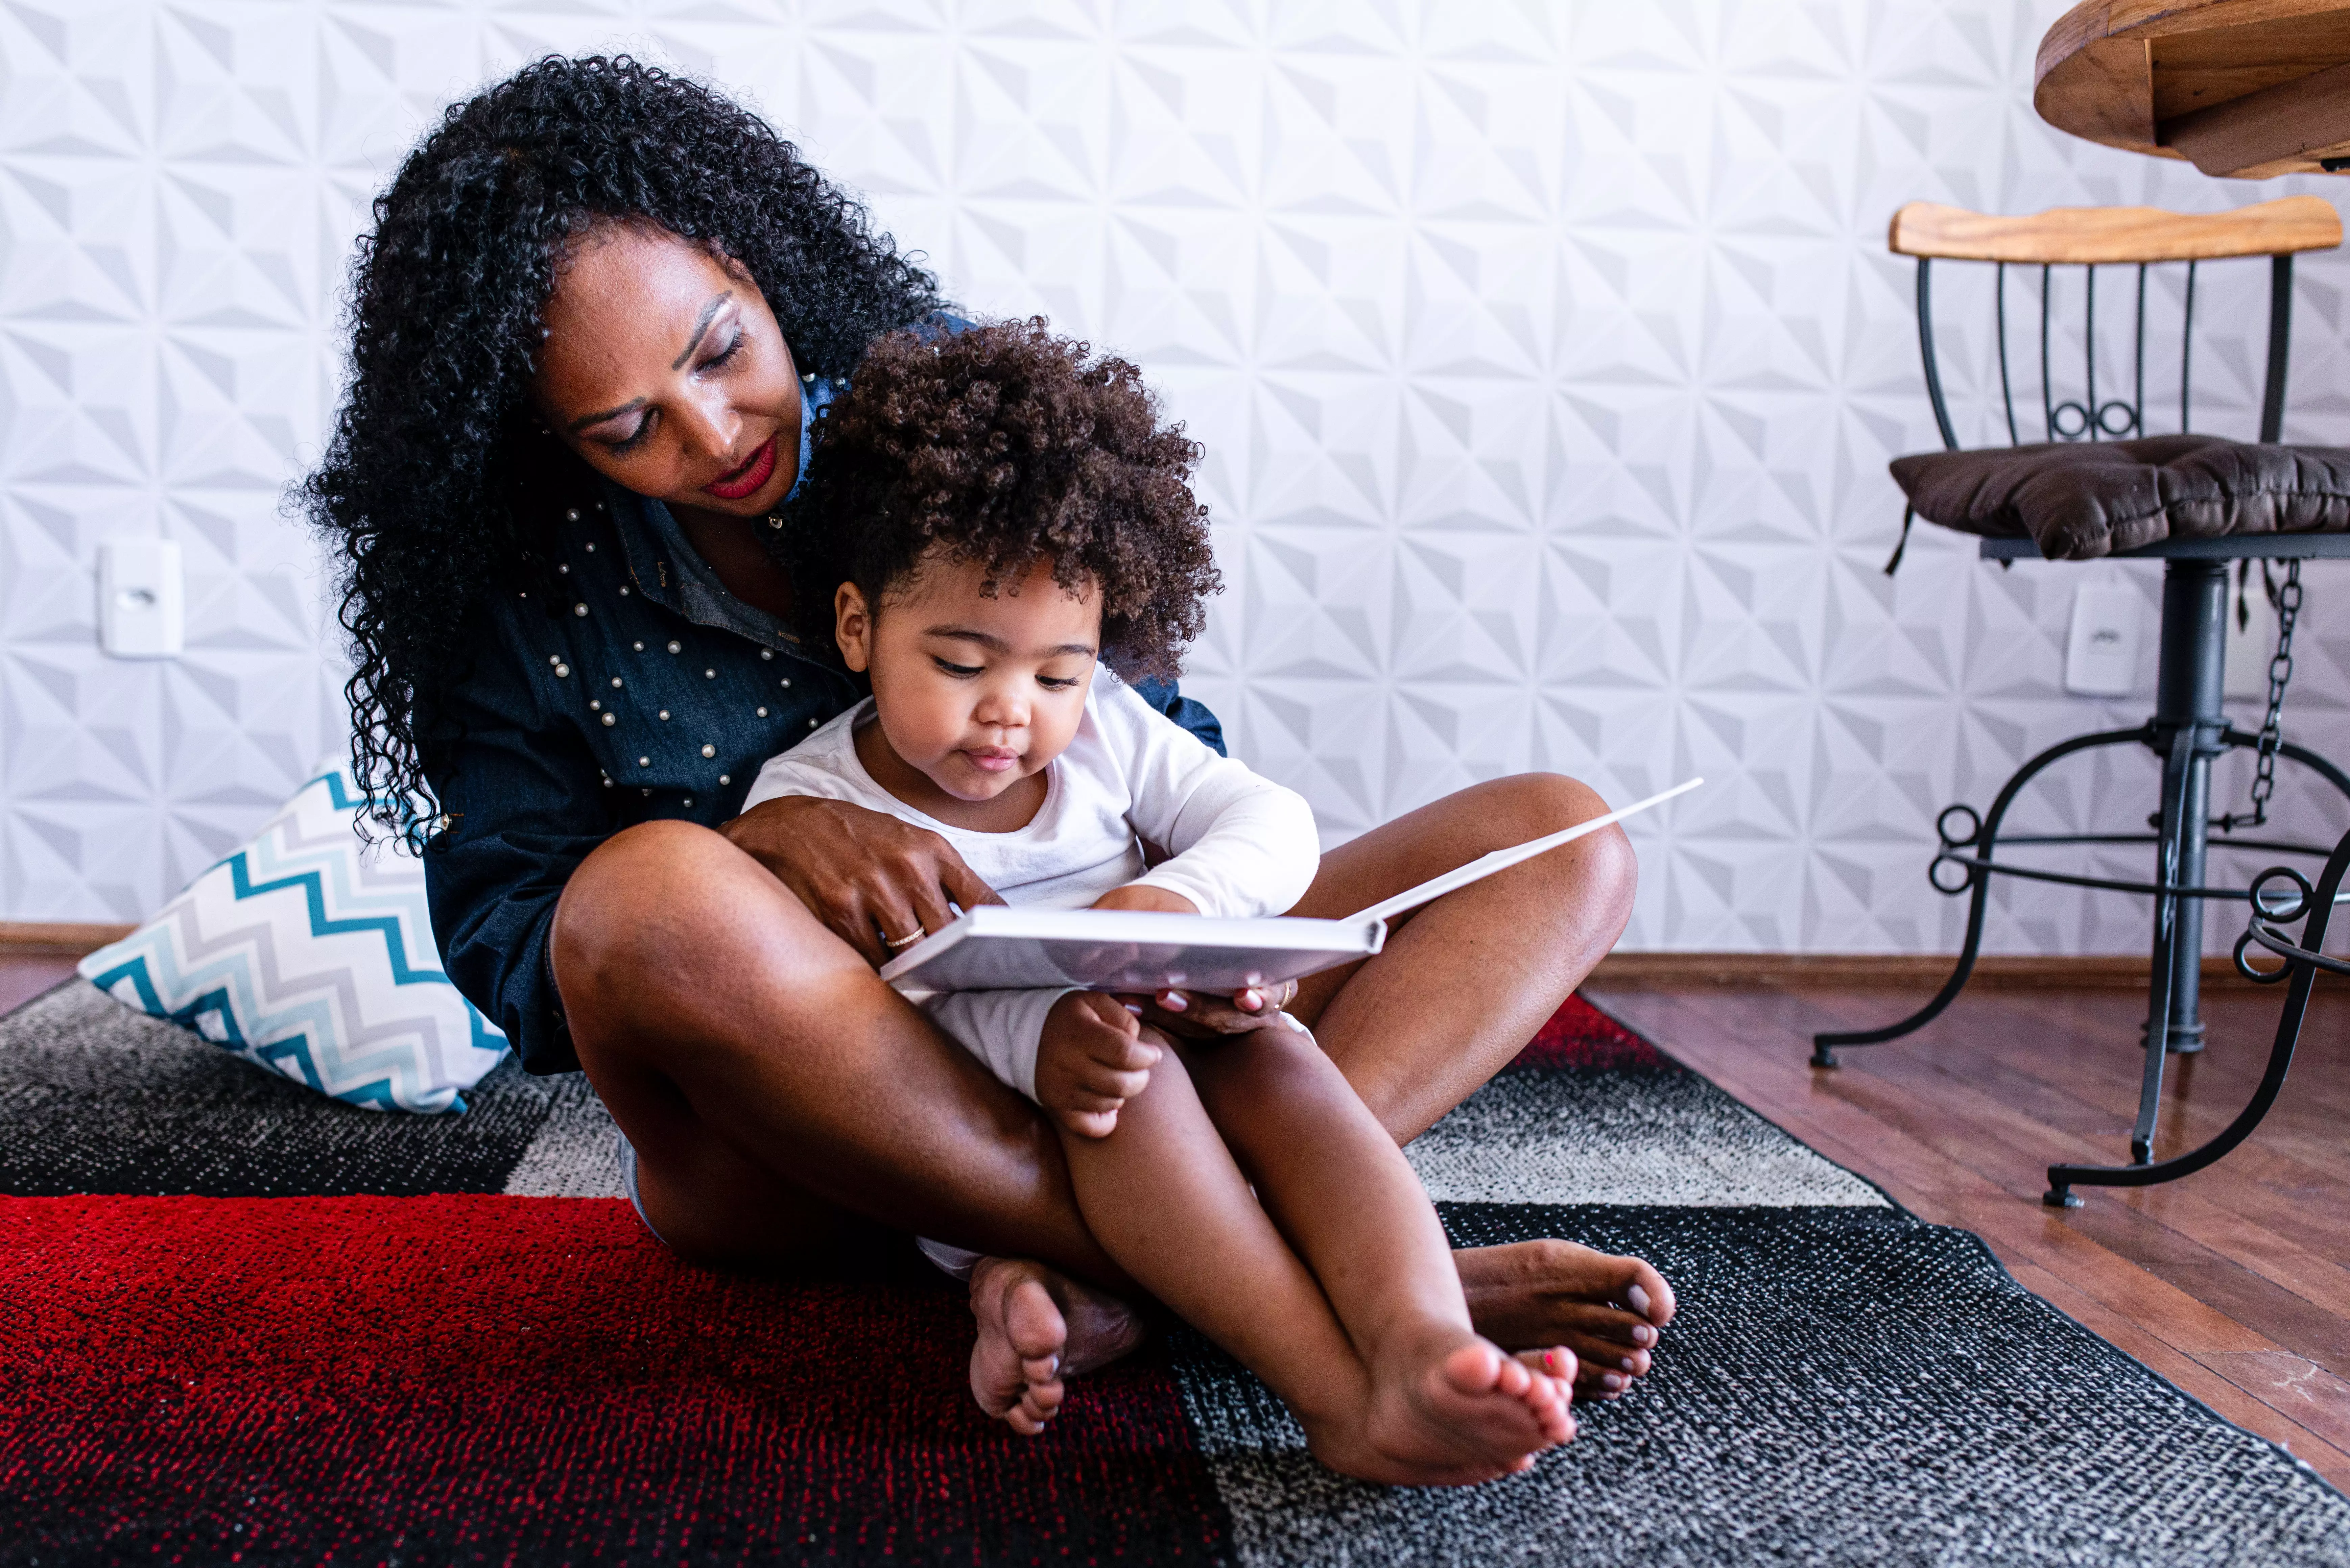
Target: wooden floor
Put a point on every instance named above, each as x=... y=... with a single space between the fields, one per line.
x=2234 y=1283
x=23 y=978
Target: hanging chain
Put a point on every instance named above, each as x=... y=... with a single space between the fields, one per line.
x=2287 y=599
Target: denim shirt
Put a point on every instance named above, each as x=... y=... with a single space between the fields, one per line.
x=646 y=691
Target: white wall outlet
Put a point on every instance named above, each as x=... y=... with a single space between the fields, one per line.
x=2250 y=649
x=142 y=599
x=2101 y=654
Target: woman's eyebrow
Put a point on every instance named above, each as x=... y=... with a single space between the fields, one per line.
x=701 y=327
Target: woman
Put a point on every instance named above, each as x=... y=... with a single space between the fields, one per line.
x=598 y=314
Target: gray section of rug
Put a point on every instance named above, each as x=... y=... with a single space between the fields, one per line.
x=95 y=1097
x=1556 y=1136
x=1843 y=1385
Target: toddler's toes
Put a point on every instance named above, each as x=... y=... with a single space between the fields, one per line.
x=1090 y=1123
x=1555 y=1362
x=1477 y=1367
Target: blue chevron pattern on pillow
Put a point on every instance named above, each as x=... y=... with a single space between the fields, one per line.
x=310 y=953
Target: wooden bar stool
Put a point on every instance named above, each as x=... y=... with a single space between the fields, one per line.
x=2097 y=485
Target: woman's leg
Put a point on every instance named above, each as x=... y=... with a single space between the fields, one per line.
x=782 y=1100
x=1392 y=1386
x=1460 y=986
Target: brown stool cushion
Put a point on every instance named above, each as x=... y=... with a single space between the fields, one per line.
x=2080 y=500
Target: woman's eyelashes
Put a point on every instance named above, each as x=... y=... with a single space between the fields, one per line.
x=636 y=438
x=725 y=354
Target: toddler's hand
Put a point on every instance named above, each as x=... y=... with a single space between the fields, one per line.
x=1093 y=1059
x=1143 y=896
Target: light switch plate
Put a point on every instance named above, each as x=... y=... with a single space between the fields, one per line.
x=2101 y=654
x=142 y=599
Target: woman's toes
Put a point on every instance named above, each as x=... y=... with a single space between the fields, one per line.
x=1018 y=1349
x=1032 y=1322
x=1649 y=1295
x=1041 y=1401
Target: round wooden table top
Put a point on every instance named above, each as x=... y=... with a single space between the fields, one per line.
x=2247 y=88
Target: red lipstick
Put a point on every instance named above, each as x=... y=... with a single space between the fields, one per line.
x=747 y=479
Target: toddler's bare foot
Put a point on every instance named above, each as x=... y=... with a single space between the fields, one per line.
x=1035 y=1328
x=1452 y=1409
x=1093 y=1057
x=1610 y=1311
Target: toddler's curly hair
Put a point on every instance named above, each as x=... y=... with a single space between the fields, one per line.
x=1005 y=445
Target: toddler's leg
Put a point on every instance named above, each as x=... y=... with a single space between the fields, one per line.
x=1341 y=1193
x=1166 y=1201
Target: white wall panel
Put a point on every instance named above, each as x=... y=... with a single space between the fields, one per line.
x=1547 y=356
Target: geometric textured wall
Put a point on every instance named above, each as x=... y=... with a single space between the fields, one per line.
x=1547 y=356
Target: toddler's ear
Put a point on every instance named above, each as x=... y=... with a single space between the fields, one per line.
x=852 y=626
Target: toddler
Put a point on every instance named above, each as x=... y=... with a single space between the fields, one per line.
x=1013 y=536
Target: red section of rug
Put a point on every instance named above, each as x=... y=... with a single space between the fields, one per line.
x=1580 y=1035
x=525 y=1381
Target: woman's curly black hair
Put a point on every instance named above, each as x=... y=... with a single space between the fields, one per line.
x=1009 y=447
x=430 y=491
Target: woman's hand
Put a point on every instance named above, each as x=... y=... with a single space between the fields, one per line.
x=1197 y=1015
x=874 y=879
x=1205 y=1015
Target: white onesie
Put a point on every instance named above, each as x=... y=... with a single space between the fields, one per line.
x=1241 y=845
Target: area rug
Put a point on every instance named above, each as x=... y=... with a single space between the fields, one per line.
x=241 y=1325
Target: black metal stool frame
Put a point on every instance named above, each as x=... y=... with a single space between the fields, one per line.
x=2303 y=963
x=2188 y=730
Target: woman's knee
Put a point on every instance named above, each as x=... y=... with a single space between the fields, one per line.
x=1537 y=805
x=628 y=888
x=674 y=901
x=668 y=894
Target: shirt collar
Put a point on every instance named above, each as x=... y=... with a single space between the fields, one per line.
x=664 y=566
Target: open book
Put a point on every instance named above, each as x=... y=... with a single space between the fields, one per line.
x=997 y=947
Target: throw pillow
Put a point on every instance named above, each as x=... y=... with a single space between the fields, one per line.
x=310 y=953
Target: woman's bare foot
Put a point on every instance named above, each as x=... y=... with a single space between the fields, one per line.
x=1451 y=1409
x=1037 y=1327
x=1609 y=1311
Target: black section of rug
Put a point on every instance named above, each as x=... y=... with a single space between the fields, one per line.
x=97 y=1098
x=1842 y=1386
